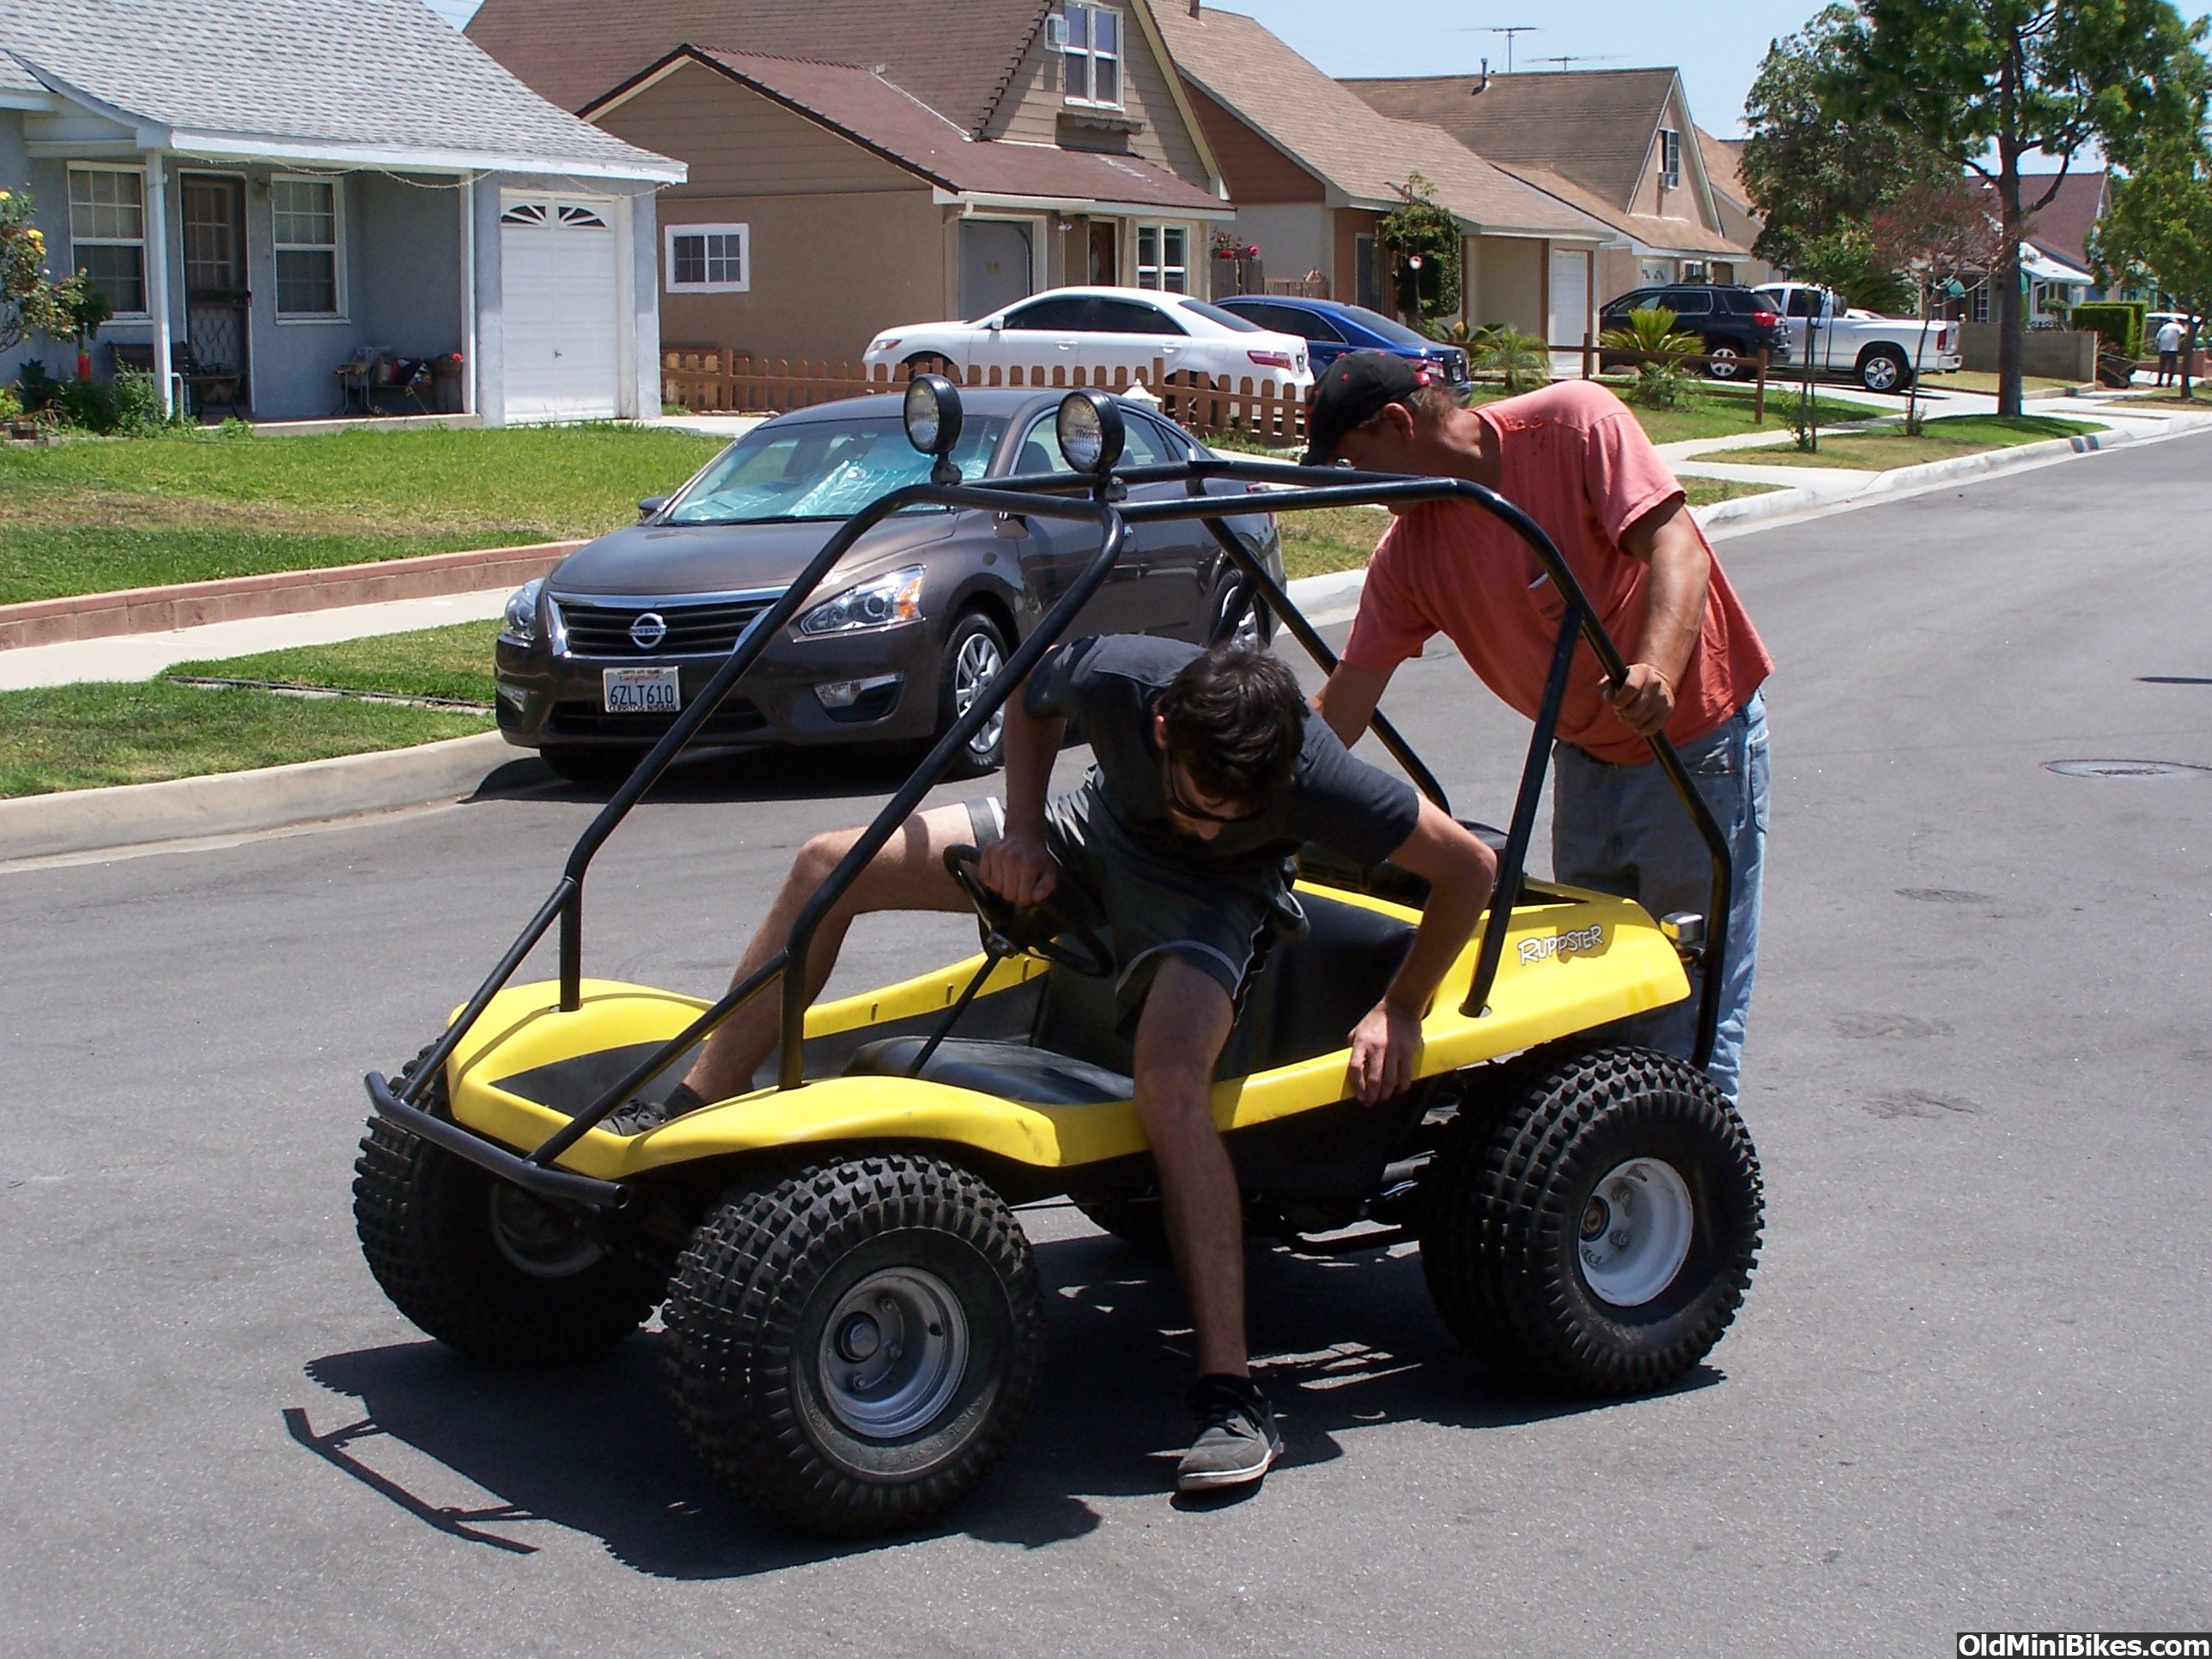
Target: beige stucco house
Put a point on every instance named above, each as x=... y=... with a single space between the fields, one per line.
x=1312 y=168
x=1619 y=145
x=852 y=168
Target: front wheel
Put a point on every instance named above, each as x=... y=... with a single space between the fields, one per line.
x=1883 y=370
x=975 y=652
x=1240 y=617
x=1591 y=1223
x=1723 y=362
x=852 y=1347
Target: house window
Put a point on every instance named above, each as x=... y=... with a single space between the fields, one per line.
x=304 y=215
x=1693 y=270
x=1089 y=40
x=1163 y=257
x=107 y=234
x=709 y=258
x=1670 y=159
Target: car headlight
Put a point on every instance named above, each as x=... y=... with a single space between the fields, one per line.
x=521 y=622
x=886 y=601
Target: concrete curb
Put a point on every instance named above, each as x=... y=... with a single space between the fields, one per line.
x=239 y=803
x=277 y=592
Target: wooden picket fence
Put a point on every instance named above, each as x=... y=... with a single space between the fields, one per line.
x=712 y=379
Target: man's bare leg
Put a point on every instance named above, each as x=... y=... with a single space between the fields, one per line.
x=907 y=874
x=1179 y=1036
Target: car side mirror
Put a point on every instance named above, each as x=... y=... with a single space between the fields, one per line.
x=651 y=505
x=998 y=324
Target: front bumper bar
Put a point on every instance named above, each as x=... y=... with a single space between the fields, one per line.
x=560 y=1185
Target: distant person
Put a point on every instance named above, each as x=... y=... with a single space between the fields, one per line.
x=1575 y=459
x=2170 y=335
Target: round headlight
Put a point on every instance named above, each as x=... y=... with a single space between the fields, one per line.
x=1089 y=431
x=932 y=414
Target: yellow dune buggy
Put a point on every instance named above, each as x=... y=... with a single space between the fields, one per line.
x=853 y=1323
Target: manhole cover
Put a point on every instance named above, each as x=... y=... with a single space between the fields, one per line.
x=2126 y=769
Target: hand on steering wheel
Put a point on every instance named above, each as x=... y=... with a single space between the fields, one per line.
x=1044 y=929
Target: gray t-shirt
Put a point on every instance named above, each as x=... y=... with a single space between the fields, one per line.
x=1108 y=685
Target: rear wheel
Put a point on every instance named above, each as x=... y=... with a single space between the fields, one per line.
x=1591 y=1224
x=852 y=1347
x=1724 y=361
x=1884 y=369
x=975 y=652
x=483 y=1265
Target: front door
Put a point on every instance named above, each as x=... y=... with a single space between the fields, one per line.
x=217 y=302
x=1105 y=255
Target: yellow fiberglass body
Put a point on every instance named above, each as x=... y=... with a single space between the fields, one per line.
x=1573 y=960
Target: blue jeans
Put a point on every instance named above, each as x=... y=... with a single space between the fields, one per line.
x=1622 y=830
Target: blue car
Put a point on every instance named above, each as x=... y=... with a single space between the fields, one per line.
x=1334 y=328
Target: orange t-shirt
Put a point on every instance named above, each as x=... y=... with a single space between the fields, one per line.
x=1575 y=459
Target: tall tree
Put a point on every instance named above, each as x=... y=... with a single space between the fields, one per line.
x=1986 y=83
x=1818 y=178
x=1937 y=232
x=2158 y=229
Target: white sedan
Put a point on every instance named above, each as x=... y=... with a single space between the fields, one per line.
x=1103 y=328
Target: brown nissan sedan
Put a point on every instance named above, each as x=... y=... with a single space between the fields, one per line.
x=595 y=659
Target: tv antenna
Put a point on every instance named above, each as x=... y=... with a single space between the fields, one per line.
x=1565 y=58
x=1509 y=31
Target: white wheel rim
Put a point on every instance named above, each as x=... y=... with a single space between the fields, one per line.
x=1636 y=1232
x=1723 y=362
x=979 y=660
x=893 y=1351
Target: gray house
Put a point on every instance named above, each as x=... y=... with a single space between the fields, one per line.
x=267 y=189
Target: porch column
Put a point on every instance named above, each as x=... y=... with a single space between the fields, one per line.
x=156 y=229
x=468 y=194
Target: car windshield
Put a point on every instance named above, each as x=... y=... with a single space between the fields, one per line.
x=1226 y=318
x=821 y=469
x=1375 y=322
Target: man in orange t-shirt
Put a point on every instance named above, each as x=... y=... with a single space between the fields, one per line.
x=1573 y=458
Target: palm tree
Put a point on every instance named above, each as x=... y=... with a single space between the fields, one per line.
x=1661 y=355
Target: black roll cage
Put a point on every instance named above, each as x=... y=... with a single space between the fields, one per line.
x=1073 y=496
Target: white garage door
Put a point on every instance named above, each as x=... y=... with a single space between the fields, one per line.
x=558 y=304
x=1571 y=317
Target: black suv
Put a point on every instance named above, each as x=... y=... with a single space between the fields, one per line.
x=1733 y=321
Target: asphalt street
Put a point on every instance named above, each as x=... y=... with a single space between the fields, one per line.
x=1969 y=1389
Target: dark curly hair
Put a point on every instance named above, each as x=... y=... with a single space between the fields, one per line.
x=1235 y=720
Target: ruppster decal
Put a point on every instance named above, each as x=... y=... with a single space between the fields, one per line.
x=1583 y=942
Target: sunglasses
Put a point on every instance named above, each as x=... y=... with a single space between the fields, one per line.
x=1171 y=785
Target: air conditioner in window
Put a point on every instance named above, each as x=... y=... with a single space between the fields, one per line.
x=1055 y=31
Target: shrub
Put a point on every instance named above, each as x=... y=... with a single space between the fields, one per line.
x=2120 y=322
x=1661 y=379
x=1523 y=360
x=11 y=405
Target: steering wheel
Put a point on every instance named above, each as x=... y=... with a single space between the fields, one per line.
x=1044 y=929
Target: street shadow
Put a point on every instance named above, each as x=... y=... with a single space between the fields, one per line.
x=1347 y=1343
x=718 y=775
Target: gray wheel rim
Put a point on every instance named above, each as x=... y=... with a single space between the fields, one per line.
x=979 y=660
x=1635 y=1231
x=893 y=1352
x=1880 y=373
x=1723 y=364
x=535 y=1240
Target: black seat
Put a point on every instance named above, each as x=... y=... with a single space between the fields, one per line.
x=1012 y=1071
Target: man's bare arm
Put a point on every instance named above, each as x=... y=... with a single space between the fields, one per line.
x=1667 y=539
x=1461 y=872
x=1347 y=702
x=1018 y=866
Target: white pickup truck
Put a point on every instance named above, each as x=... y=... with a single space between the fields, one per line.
x=1882 y=353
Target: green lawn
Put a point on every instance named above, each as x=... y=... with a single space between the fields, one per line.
x=86 y=515
x=1343 y=537
x=1940 y=440
x=83 y=737
x=437 y=662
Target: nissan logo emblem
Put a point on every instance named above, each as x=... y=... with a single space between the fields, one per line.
x=648 y=630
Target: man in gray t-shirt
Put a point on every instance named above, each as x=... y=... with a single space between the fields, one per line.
x=1210 y=771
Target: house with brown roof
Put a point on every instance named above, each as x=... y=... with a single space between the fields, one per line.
x=1312 y=168
x=1617 y=145
x=1739 y=221
x=855 y=166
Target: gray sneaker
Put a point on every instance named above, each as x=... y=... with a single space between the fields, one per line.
x=1237 y=1440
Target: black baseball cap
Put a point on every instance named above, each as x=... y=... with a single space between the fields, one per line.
x=1350 y=391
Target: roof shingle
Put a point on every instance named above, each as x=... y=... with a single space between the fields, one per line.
x=383 y=75
x=957 y=56
x=1342 y=141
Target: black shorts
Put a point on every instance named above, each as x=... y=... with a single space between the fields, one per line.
x=1219 y=918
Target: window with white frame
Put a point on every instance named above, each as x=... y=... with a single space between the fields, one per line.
x=310 y=275
x=1089 y=40
x=1670 y=158
x=1163 y=258
x=107 y=234
x=709 y=258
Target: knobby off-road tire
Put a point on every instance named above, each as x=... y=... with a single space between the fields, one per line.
x=1559 y=1145
x=1139 y=1222
x=482 y=1265
x=852 y=1347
